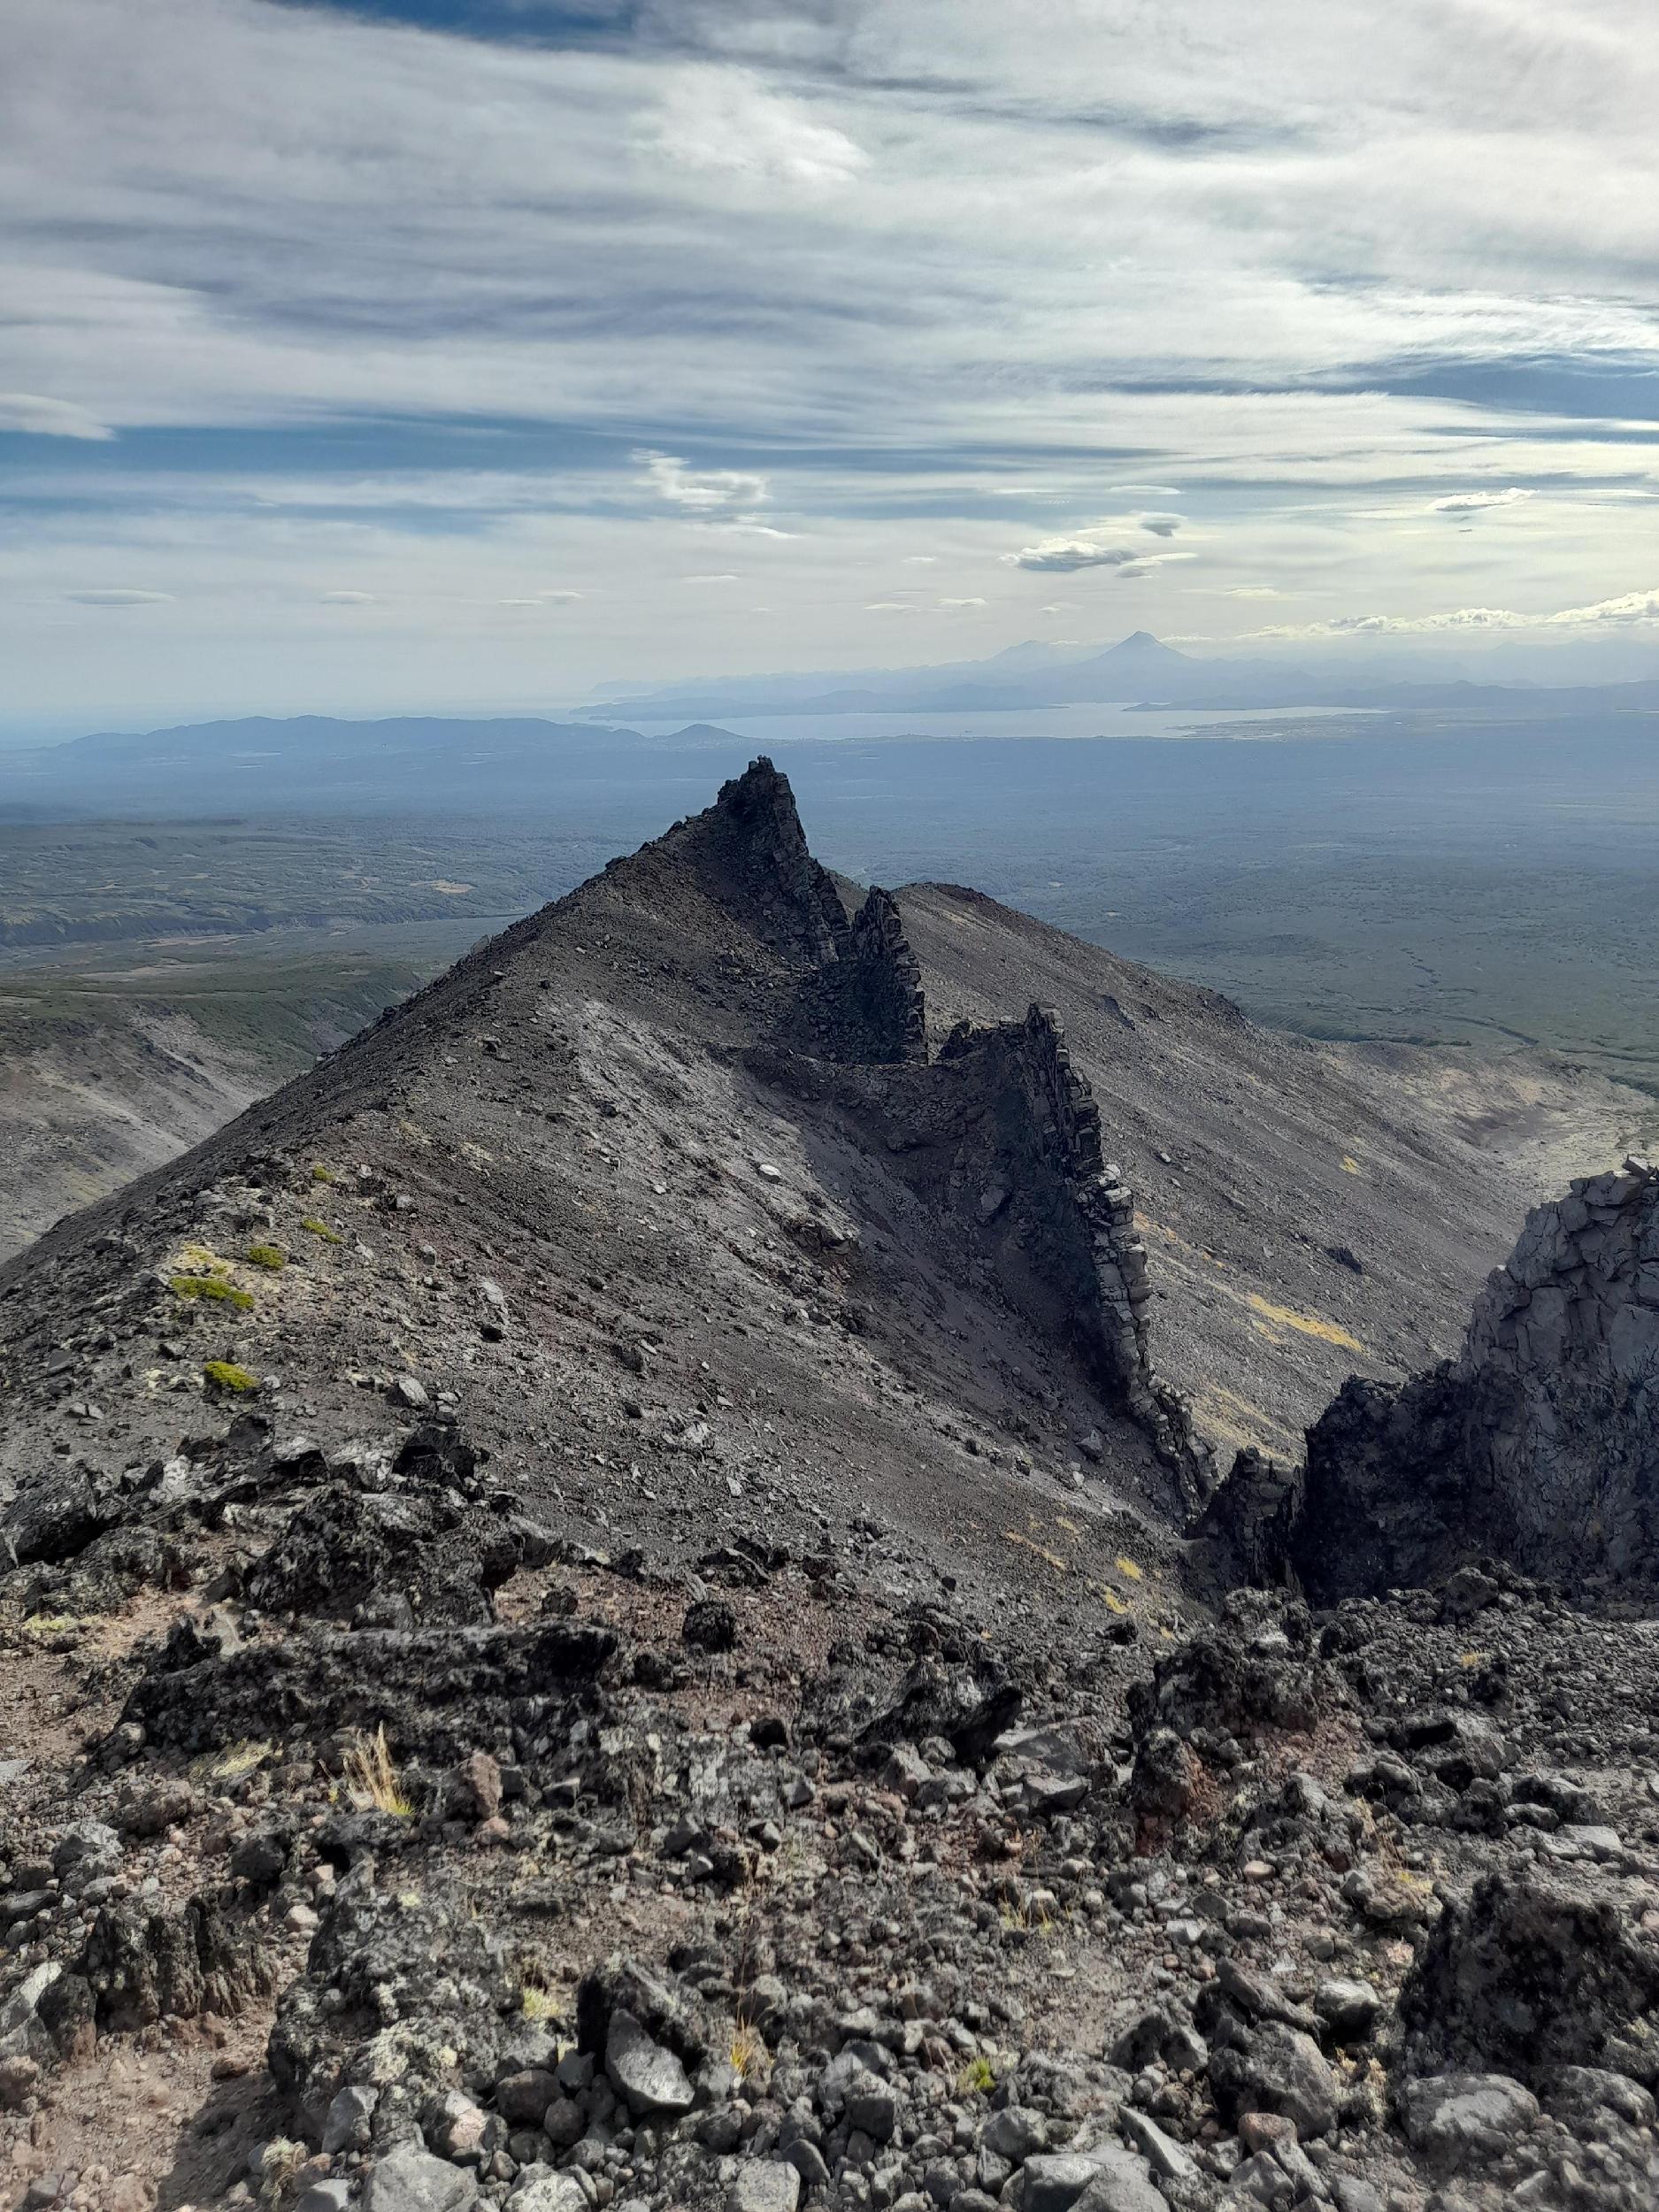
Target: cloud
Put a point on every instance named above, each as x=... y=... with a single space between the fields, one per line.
x=1476 y=502
x=1144 y=563
x=750 y=527
x=1300 y=260
x=1063 y=556
x=1092 y=548
x=1629 y=608
x=1633 y=606
x=889 y=606
x=49 y=417
x=119 y=598
x=961 y=602
x=725 y=123
x=702 y=490
x=724 y=576
x=347 y=599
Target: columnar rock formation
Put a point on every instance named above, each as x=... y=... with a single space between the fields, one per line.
x=1001 y=1134
x=1537 y=1444
x=1061 y=1219
x=883 y=983
x=865 y=1005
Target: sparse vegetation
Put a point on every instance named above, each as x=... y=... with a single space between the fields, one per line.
x=271 y=1255
x=321 y=1229
x=238 y=1758
x=212 y=1287
x=224 y=1374
x=372 y=1778
x=321 y=1174
x=976 y=2079
x=750 y=2060
x=44 y=1626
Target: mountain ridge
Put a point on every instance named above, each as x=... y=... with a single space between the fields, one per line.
x=622 y=1596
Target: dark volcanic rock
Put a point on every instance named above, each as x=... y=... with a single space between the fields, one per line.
x=145 y=1963
x=436 y=1692
x=1538 y=1444
x=386 y=1561
x=1538 y=1971
x=397 y=1980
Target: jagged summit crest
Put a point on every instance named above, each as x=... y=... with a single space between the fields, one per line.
x=752 y=851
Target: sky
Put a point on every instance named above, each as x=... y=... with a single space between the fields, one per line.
x=464 y=354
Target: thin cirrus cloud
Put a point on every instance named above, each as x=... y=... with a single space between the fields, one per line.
x=1479 y=502
x=44 y=417
x=1628 y=608
x=727 y=123
x=119 y=598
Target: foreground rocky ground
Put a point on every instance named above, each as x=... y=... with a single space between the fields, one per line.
x=624 y=1598
x=377 y=1846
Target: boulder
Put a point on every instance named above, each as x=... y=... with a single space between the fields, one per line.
x=765 y=2185
x=410 y=2179
x=649 y=2078
x=1276 y=2069
x=1454 y=2121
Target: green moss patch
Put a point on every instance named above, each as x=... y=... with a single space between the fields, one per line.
x=269 y=1255
x=210 y=1286
x=321 y=1229
x=321 y=1174
x=224 y=1374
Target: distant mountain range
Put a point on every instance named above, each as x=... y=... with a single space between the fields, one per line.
x=402 y=764
x=436 y=765
x=1142 y=668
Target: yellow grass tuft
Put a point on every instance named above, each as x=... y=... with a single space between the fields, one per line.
x=750 y=2060
x=1054 y=1559
x=1307 y=1324
x=371 y=1778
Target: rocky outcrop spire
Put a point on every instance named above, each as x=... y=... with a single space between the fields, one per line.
x=1537 y=1444
x=866 y=1006
x=752 y=842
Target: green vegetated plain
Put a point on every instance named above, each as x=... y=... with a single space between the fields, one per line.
x=115 y=882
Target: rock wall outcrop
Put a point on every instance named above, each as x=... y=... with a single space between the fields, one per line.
x=1538 y=1444
x=1002 y=1133
x=867 y=1005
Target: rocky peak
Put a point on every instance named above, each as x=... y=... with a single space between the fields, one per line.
x=751 y=850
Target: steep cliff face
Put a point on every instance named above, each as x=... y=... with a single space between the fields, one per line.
x=1000 y=1136
x=1537 y=1444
